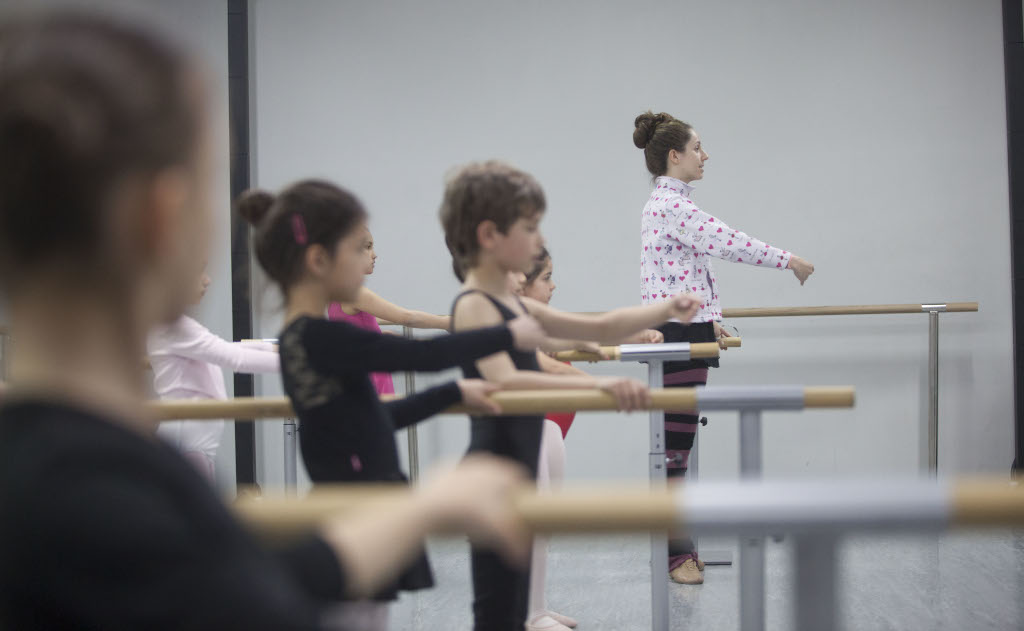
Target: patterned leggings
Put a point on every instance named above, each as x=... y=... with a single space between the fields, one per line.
x=681 y=426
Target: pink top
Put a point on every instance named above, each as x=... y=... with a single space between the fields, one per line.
x=381 y=380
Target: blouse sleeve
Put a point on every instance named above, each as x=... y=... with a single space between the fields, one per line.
x=705 y=234
x=195 y=341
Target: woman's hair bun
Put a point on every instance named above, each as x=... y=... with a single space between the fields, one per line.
x=254 y=205
x=645 y=125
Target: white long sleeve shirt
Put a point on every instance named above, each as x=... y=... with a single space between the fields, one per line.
x=187 y=362
x=679 y=240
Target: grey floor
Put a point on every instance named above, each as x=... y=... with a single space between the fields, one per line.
x=962 y=582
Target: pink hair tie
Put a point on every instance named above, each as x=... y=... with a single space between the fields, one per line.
x=299 y=229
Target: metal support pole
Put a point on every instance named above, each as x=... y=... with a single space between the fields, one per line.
x=659 y=539
x=816 y=570
x=933 y=392
x=413 y=438
x=709 y=557
x=751 y=548
x=291 y=477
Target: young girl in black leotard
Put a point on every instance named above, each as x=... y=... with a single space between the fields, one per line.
x=310 y=240
x=490 y=215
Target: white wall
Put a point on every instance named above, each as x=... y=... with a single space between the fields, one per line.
x=868 y=137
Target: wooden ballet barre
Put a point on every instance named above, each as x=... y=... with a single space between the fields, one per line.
x=743 y=508
x=682 y=351
x=517 y=402
x=772 y=312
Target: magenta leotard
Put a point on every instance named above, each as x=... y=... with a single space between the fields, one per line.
x=381 y=380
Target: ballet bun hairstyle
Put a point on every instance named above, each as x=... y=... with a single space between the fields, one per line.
x=307 y=213
x=538 y=267
x=657 y=134
x=86 y=105
x=484 y=191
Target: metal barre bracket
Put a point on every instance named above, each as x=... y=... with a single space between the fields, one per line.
x=675 y=351
x=933 y=308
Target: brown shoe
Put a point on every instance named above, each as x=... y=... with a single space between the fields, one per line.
x=687 y=573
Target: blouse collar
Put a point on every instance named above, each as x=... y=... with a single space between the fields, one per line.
x=664 y=181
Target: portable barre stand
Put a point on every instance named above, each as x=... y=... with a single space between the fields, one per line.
x=931 y=446
x=751 y=402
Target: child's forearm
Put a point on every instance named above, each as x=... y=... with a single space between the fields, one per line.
x=556 y=344
x=615 y=326
x=374 y=545
x=555 y=367
x=424 y=320
x=533 y=380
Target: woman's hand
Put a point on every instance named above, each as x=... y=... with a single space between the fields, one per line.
x=720 y=334
x=477 y=498
x=527 y=333
x=682 y=307
x=476 y=395
x=802 y=269
x=629 y=394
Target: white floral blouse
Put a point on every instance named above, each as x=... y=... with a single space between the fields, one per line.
x=679 y=240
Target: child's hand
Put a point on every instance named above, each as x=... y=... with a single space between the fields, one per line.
x=682 y=307
x=651 y=336
x=476 y=498
x=590 y=347
x=475 y=395
x=527 y=333
x=629 y=394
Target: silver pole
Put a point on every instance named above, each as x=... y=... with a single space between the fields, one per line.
x=751 y=547
x=413 y=438
x=291 y=474
x=659 y=539
x=816 y=571
x=933 y=392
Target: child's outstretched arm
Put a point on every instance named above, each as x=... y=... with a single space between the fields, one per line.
x=475 y=311
x=373 y=545
x=194 y=341
x=413 y=408
x=553 y=366
x=555 y=344
x=612 y=326
x=341 y=347
x=373 y=304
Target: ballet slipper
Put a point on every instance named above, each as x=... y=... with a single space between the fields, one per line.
x=544 y=622
x=566 y=620
x=687 y=573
